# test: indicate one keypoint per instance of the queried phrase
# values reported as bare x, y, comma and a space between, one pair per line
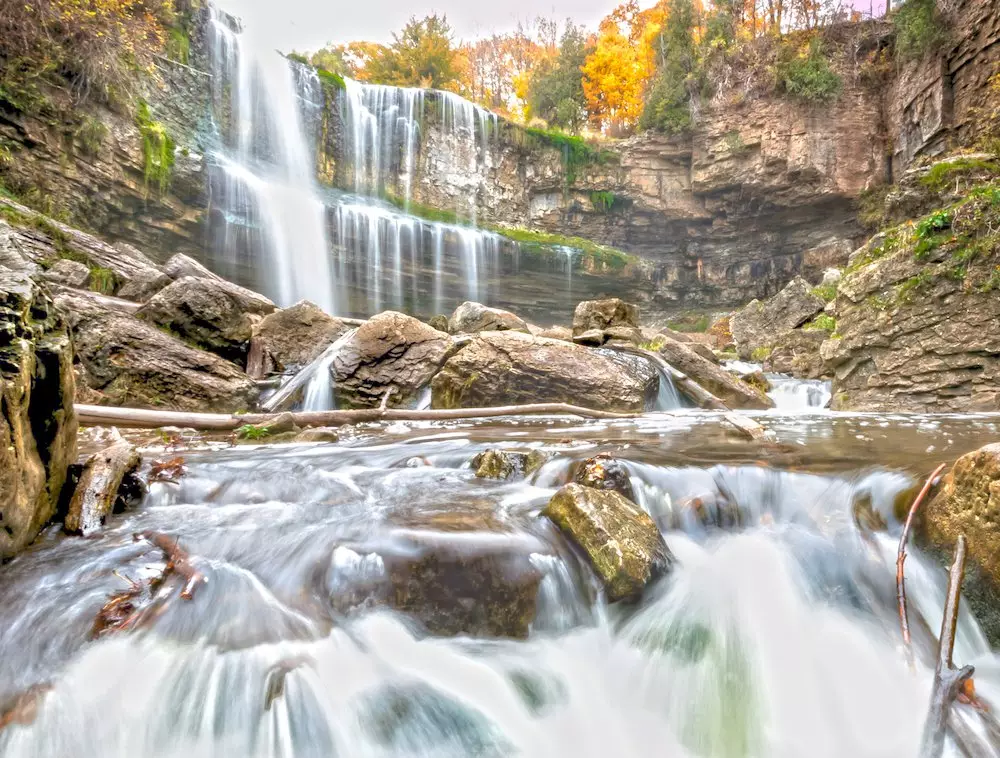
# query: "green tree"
555, 91
422, 55
668, 100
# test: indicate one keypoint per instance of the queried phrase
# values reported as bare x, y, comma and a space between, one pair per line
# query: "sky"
307, 25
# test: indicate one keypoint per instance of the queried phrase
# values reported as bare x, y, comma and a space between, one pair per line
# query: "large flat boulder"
620, 540
37, 424
510, 368
759, 324
127, 361
392, 353
470, 318
292, 337
212, 314
726, 386
601, 315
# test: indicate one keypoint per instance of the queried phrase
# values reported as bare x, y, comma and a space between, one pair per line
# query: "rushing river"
776, 634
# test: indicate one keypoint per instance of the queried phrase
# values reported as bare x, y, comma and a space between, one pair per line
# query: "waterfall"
267, 165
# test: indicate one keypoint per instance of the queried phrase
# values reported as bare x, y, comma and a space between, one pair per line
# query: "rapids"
775, 636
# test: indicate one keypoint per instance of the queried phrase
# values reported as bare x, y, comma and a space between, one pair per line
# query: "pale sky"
310, 24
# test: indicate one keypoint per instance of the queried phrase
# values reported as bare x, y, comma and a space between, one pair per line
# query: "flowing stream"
775, 635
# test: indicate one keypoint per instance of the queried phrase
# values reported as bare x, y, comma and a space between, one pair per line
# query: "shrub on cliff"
918, 28
97, 45
810, 76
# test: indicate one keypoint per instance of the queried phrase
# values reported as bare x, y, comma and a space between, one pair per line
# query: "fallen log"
947, 679
750, 427
904, 621
141, 418
97, 490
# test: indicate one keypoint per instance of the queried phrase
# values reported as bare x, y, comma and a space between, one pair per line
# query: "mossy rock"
508, 464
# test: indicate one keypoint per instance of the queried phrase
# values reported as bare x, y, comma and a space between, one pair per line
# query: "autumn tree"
555, 90
667, 107
616, 73
351, 60
422, 55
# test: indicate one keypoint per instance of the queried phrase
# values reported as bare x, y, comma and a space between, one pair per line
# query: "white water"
788, 393
314, 381
268, 163
774, 637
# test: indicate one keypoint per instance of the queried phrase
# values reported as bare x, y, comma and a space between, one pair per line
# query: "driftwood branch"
140, 418
904, 621
178, 560
95, 494
947, 680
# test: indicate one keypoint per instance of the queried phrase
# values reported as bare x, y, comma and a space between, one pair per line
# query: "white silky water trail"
314, 382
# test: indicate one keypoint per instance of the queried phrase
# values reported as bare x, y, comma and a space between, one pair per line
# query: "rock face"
729, 388
603, 315
797, 352
388, 352
621, 541
37, 425
759, 324
294, 336
211, 313
471, 318
130, 362
507, 368
969, 503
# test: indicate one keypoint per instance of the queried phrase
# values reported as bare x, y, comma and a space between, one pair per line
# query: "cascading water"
775, 635
266, 185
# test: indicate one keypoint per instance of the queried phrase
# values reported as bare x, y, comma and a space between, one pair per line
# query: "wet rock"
758, 324
180, 265
968, 502
557, 333
623, 334
212, 314
292, 337
797, 352
592, 337
621, 541
507, 464
603, 314
283, 425
604, 472
390, 351
68, 274
509, 368
471, 318
37, 423
721, 383
131, 362
97, 491
318, 434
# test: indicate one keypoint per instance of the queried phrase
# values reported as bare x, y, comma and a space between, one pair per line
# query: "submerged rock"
604, 472
470, 318
621, 541
968, 503
729, 388
604, 314
390, 351
759, 324
290, 337
37, 423
210, 313
506, 464
509, 368
131, 362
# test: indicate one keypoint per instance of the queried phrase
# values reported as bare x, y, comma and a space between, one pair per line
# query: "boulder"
68, 273
968, 502
604, 472
510, 368
14, 254
471, 318
37, 424
438, 322
602, 314
591, 337
131, 362
180, 265
292, 337
797, 352
557, 333
390, 351
620, 540
507, 464
212, 314
729, 388
758, 325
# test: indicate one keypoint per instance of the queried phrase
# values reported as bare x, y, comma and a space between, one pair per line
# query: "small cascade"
264, 181
314, 380
799, 395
